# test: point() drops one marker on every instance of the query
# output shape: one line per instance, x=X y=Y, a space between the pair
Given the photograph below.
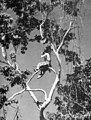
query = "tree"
x=58 y=39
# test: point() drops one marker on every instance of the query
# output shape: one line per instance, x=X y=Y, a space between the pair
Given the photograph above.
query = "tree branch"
x=71 y=22
x=4 y=52
x=31 y=93
x=53 y=87
x=52 y=70
x=57 y=56
x=41 y=90
x=57 y=79
x=14 y=95
x=43 y=20
x=47 y=102
x=32 y=76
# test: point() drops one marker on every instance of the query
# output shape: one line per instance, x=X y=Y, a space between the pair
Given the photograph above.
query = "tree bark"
x=42 y=115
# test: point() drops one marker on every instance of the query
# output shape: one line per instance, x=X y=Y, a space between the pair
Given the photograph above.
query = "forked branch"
x=20 y=92
x=41 y=90
x=31 y=93
x=57 y=56
x=70 y=25
x=49 y=99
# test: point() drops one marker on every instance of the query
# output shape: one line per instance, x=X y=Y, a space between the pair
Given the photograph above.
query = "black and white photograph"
x=45 y=59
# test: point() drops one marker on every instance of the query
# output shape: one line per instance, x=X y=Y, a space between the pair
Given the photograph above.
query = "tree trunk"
x=42 y=115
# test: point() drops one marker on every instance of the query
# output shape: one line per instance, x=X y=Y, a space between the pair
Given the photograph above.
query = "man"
x=44 y=66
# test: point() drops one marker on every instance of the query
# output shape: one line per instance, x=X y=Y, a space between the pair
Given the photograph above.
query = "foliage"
x=74 y=97
x=14 y=77
x=3 y=92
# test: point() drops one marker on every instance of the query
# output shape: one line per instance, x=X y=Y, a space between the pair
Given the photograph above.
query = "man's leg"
x=42 y=72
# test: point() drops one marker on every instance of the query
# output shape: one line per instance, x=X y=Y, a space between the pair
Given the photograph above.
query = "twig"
x=4 y=62
x=16 y=114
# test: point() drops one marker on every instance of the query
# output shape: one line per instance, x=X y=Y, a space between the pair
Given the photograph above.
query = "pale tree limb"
x=70 y=25
x=52 y=70
x=41 y=31
x=37 y=72
x=43 y=20
x=59 y=61
x=53 y=88
x=17 y=68
x=32 y=76
x=57 y=79
x=31 y=93
x=41 y=90
x=53 y=48
x=4 y=54
x=57 y=55
x=14 y=95
x=26 y=89
x=49 y=99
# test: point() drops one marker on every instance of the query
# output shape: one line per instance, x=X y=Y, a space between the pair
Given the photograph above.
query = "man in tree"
x=44 y=66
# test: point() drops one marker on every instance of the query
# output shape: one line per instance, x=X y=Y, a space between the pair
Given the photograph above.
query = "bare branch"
x=57 y=79
x=53 y=48
x=47 y=102
x=57 y=56
x=41 y=90
x=4 y=53
x=18 y=93
x=17 y=68
x=43 y=20
x=71 y=23
x=52 y=70
x=31 y=93
x=41 y=31
x=32 y=76
x=53 y=88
